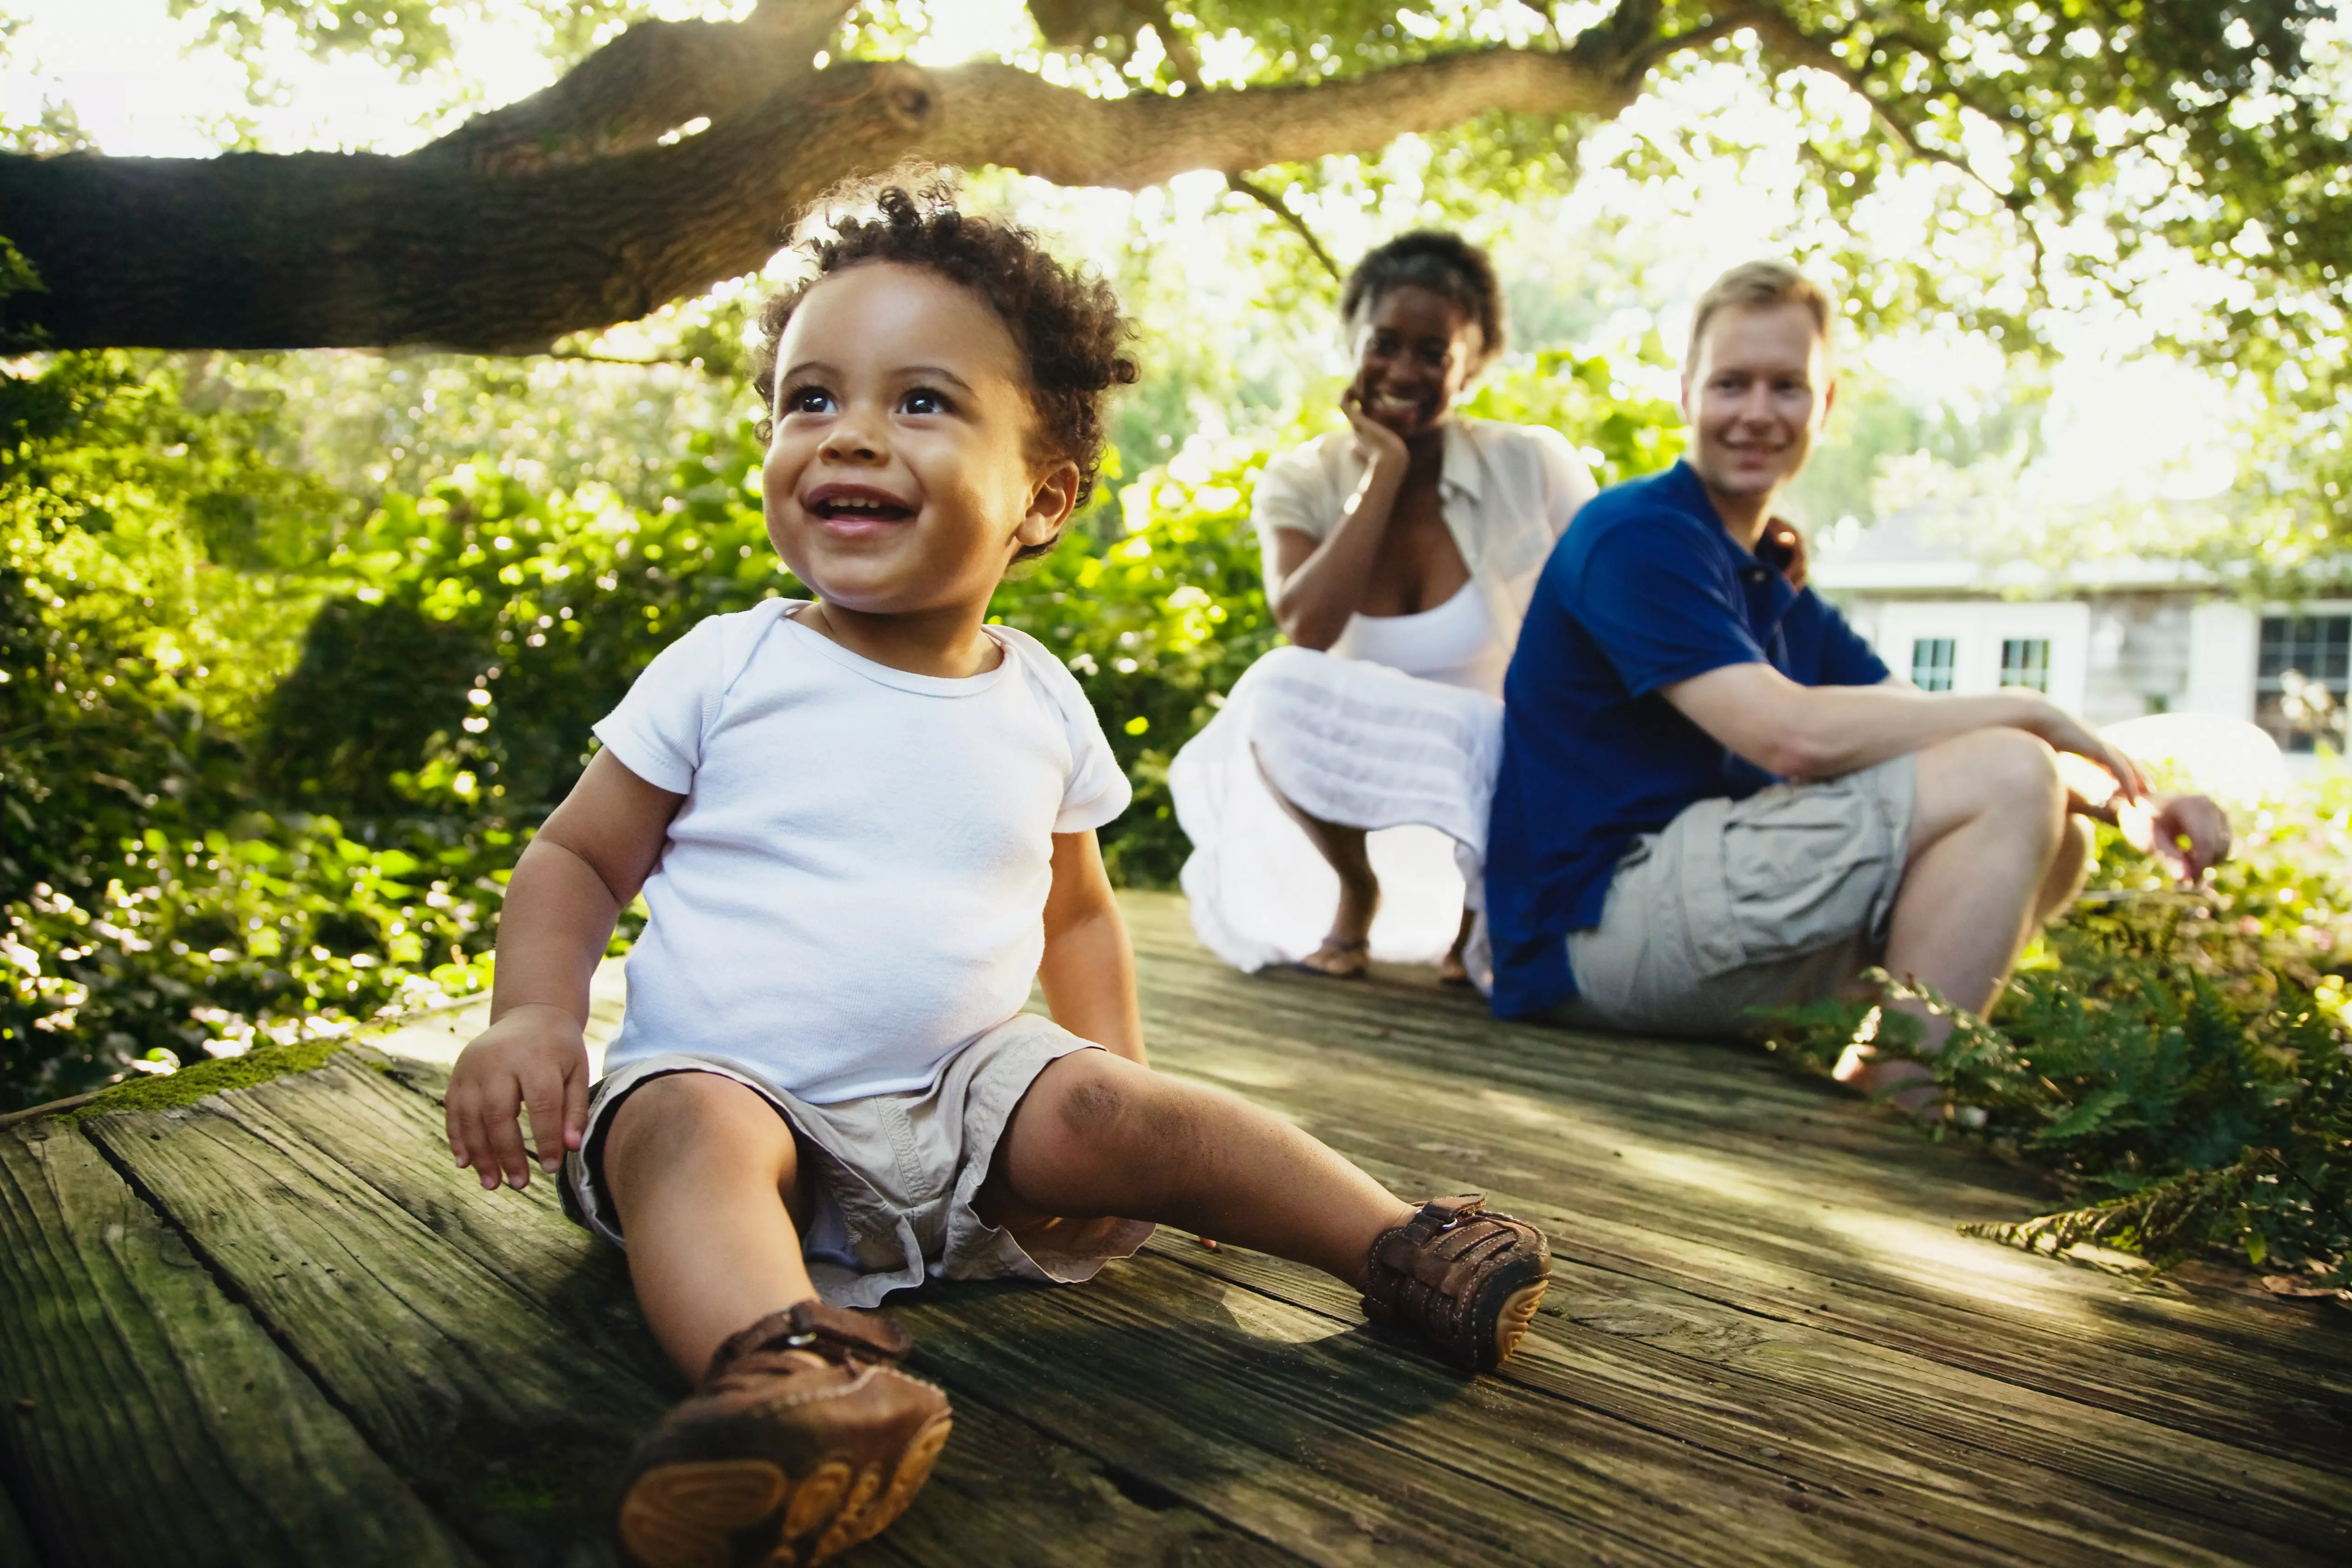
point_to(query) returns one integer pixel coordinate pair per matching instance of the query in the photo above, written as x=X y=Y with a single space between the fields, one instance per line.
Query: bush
x=2178 y=1060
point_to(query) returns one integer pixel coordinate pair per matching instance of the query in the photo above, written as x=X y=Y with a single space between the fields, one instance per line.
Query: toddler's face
x=899 y=479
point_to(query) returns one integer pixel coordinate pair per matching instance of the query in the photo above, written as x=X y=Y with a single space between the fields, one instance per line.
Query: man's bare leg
x=699 y=1168
x=1098 y=1135
x=1343 y=952
x=1990 y=857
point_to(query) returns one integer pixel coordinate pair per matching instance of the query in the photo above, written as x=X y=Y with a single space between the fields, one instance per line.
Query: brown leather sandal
x=1466 y=1280
x=804 y=1439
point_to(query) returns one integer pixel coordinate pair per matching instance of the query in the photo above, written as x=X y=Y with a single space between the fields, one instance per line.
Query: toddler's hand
x=533 y=1055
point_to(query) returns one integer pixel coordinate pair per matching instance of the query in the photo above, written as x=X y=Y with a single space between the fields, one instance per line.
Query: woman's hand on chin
x=1378 y=445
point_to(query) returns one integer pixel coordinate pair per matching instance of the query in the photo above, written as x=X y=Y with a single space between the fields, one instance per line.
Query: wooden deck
x=278 y=1327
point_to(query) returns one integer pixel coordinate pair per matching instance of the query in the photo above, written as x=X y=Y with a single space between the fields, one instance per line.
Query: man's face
x=899 y=477
x=1756 y=394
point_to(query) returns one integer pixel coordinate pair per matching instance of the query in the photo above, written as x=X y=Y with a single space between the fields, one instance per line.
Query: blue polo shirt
x=1645 y=589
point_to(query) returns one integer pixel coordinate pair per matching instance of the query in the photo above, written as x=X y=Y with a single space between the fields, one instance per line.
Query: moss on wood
x=194 y=1082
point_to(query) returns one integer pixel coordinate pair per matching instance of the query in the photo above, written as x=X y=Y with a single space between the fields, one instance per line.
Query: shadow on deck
x=277 y=1327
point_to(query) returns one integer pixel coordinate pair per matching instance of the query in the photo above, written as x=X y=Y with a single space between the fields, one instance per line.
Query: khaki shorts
x=1770 y=902
x=891 y=1177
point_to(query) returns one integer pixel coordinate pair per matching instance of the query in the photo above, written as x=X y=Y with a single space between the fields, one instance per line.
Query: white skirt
x=1349 y=741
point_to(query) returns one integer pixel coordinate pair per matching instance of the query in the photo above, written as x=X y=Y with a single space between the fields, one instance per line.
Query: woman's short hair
x=1760 y=286
x=1442 y=262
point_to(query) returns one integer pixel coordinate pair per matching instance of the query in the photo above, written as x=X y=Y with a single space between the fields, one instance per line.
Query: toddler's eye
x=924 y=400
x=807 y=400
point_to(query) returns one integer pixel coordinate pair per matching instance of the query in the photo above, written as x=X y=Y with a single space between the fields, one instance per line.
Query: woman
x=1343 y=788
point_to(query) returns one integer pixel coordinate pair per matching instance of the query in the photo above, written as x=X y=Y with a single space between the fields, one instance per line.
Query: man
x=1713 y=795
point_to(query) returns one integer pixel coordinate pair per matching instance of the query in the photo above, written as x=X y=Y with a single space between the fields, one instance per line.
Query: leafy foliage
x=269 y=751
x=2182 y=1060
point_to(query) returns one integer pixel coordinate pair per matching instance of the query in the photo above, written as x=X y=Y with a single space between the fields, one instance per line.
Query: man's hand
x=1793 y=544
x=2189 y=833
x=2064 y=733
x=535 y=1056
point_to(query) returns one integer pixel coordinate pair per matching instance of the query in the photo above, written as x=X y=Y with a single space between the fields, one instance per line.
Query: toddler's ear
x=1050 y=505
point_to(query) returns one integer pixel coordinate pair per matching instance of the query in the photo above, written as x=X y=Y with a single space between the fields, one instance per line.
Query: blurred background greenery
x=297 y=648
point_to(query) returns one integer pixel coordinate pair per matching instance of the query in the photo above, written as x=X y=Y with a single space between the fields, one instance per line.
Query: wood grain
x=147 y=1417
x=510 y=1426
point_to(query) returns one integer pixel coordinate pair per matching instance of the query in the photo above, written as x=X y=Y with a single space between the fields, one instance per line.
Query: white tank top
x=1454 y=644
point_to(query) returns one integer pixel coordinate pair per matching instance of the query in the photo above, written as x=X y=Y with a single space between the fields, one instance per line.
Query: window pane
x=1932 y=662
x=2025 y=661
x=2301 y=679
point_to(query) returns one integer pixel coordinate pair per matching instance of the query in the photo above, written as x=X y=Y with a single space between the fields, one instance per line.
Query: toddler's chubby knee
x=1098 y=1100
x=684 y=1112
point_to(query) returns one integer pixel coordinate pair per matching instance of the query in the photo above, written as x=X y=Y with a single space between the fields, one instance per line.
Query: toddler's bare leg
x=1096 y=1135
x=706 y=1178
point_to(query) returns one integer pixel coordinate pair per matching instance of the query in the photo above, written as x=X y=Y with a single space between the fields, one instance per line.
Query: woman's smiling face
x=1416 y=350
x=900 y=478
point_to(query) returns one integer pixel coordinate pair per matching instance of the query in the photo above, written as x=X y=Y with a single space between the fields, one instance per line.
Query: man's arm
x=1818 y=731
x=1088 y=970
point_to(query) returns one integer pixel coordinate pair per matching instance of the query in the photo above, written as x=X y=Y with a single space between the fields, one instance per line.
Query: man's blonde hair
x=1760 y=286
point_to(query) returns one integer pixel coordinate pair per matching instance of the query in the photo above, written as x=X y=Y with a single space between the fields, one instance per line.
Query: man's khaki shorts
x=1770 y=902
x=891 y=1177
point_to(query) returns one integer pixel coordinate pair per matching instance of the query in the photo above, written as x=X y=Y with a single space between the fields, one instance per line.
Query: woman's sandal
x=1465 y=1280
x=804 y=1439
x=1355 y=956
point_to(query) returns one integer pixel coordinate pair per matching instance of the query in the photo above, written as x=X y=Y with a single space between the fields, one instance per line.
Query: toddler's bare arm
x=578 y=873
x=1088 y=971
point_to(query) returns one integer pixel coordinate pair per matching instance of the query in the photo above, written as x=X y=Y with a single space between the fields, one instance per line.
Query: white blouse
x=1508 y=492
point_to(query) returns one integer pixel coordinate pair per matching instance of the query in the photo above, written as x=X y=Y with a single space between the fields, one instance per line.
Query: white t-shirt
x=855 y=884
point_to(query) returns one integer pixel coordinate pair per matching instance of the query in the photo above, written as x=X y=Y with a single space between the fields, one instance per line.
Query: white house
x=2110 y=641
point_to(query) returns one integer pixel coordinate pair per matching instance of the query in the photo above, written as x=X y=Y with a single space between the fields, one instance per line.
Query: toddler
x=863 y=823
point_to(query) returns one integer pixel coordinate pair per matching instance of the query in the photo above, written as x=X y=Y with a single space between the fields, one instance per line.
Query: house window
x=2299 y=684
x=2025 y=661
x=1932 y=662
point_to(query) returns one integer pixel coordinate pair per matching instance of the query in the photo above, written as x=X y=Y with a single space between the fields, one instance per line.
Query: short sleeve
x=1566 y=480
x=1097 y=790
x=657 y=731
x=1647 y=596
x=1285 y=495
x=1845 y=658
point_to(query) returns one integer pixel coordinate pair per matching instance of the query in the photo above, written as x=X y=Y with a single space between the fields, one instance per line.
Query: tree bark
x=560 y=213
x=355 y=250
x=651 y=79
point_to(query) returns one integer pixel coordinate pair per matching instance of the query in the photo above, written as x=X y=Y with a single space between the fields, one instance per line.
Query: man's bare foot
x=1909 y=1086
x=1339 y=960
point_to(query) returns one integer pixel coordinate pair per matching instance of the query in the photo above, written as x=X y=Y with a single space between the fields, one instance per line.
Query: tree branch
x=326 y=250
x=653 y=79
x=1292 y=220
x=1000 y=114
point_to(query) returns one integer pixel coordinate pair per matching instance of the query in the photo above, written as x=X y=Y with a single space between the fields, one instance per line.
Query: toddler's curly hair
x=1065 y=321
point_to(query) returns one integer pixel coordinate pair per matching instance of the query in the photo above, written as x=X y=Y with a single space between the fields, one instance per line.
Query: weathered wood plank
x=386 y=1128
x=1986 y=1318
x=2112 y=1490
x=1328 y=1435
x=1004 y=1492
x=15 y=1541
x=148 y=1417
x=1880 y=1266
x=508 y=1425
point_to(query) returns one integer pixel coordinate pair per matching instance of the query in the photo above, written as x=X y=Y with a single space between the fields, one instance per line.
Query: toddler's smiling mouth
x=856 y=506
